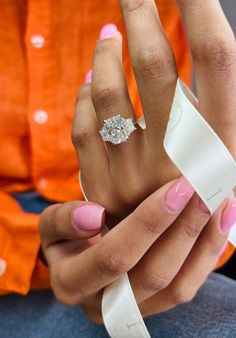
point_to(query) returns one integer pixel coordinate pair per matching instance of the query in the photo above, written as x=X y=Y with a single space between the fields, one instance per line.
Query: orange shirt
x=46 y=49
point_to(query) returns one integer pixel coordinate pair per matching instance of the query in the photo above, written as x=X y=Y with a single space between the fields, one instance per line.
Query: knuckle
x=83 y=93
x=151 y=63
x=60 y=288
x=133 y=5
x=56 y=223
x=95 y=318
x=49 y=220
x=92 y=311
x=186 y=2
x=182 y=295
x=137 y=190
x=219 y=53
x=65 y=298
x=81 y=136
x=106 y=46
x=193 y=227
x=214 y=245
x=106 y=96
x=154 y=282
x=149 y=219
x=112 y=264
x=214 y=250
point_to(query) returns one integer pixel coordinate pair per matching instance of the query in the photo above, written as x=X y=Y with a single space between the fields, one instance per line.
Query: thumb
x=72 y=220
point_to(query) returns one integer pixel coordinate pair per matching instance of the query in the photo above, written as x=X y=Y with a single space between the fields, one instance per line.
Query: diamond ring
x=117 y=129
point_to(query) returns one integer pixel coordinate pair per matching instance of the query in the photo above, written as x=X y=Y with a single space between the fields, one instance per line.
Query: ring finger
x=109 y=90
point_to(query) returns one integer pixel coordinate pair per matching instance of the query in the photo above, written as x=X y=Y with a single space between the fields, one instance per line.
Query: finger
x=153 y=63
x=109 y=89
x=213 y=49
x=72 y=220
x=90 y=148
x=199 y=263
x=164 y=259
x=125 y=244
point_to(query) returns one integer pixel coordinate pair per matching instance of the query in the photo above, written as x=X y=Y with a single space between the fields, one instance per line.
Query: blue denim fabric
x=211 y=314
x=31 y=201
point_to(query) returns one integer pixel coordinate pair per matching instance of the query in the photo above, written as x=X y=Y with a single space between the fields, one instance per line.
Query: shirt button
x=37 y=41
x=43 y=183
x=40 y=116
x=3 y=266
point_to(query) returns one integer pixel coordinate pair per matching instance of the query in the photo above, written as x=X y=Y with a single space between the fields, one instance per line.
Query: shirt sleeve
x=19 y=247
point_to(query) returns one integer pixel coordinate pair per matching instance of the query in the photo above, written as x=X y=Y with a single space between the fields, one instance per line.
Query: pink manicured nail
x=88 y=77
x=179 y=195
x=88 y=217
x=108 y=31
x=203 y=207
x=228 y=217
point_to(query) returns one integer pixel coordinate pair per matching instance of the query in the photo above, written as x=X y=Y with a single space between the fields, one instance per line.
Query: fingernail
x=108 y=31
x=88 y=77
x=179 y=195
x=228 y=217
x=88 y=217
x=203 y=206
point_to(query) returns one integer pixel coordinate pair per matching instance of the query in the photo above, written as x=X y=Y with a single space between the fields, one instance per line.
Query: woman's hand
x=119 y=177
x=168 y=244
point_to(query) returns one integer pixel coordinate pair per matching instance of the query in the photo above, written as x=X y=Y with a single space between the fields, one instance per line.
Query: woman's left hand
x=168 y=245
x=120 y=176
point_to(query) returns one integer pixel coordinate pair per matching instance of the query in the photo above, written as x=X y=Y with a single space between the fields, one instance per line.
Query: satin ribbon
x=201 y=157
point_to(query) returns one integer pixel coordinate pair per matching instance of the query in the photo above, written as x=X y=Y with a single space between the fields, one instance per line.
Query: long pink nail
x=88 y=77
x=108 y=31
x=88 y=217
x=228 y=217
x=179 y=195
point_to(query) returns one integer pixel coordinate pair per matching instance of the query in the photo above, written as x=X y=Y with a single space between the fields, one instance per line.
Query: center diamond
x=117 y=129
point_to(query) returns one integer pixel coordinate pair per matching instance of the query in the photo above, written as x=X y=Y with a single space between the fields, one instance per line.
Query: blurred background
x=229 y=7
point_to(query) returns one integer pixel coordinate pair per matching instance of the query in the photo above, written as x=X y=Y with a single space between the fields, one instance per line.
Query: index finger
x=213 y=48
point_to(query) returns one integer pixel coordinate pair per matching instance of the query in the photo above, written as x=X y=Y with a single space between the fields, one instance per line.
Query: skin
x=160 y=280
x=142 y=244
x=119 y=177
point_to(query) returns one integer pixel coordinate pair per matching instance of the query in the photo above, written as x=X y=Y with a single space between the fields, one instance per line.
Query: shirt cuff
x=19 y=246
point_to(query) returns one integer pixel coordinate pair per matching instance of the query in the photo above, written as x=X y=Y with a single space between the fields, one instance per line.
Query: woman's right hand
x=169 y=245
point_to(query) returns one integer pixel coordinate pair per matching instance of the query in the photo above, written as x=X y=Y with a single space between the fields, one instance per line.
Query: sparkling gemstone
x=117 y=129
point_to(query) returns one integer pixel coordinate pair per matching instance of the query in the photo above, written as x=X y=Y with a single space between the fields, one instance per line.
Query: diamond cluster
x=117 y=129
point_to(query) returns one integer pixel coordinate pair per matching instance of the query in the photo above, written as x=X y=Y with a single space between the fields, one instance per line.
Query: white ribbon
x=203 y=159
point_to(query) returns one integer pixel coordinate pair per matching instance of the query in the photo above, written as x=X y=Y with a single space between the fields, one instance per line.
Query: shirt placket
x=41 y=89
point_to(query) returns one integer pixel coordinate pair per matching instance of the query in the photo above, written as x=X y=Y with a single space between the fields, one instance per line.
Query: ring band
x=117 y=129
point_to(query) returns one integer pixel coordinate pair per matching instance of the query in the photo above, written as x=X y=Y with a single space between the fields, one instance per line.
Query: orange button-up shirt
x=46 y=48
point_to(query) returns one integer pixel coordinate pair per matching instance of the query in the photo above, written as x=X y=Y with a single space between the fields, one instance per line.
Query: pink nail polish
x=88 y=217
x=203 y=207
x=108 y=31
x=179 y=195
x=228 y=217
x=88 y=77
